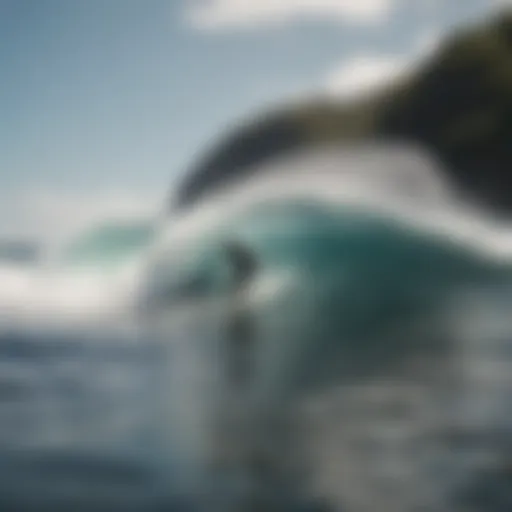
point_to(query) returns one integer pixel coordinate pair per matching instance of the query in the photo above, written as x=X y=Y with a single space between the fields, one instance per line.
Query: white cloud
x=363 y=74
x=225 y=14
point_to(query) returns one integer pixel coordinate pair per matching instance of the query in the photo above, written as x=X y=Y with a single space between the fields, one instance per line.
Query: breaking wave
x=347 y=239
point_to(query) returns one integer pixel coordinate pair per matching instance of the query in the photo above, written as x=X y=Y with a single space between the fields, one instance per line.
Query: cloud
x=229 y=14
x=365 y=73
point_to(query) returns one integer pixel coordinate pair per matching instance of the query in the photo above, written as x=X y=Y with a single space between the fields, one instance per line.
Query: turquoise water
x=357 y=300
x=108 y=246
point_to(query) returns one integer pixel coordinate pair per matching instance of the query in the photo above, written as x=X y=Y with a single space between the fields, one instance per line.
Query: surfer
x=233 y=444
x=239 y=326
x=238 y=353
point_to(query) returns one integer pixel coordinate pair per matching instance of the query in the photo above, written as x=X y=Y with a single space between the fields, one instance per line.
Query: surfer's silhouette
x=240 y=327
x=233 y=444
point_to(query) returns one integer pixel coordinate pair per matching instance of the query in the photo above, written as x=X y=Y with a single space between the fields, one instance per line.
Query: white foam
x=33 y=298
x=390 y=179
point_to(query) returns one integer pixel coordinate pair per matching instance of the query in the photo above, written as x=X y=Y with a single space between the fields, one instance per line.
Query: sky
x=105 y=104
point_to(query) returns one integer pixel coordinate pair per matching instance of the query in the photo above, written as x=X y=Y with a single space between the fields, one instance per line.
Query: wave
x=83 y=282
x=392 y=180
x=382 y=311
x=379 y=286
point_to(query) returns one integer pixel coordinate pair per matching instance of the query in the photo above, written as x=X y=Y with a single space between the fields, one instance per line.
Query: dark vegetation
x=458 y=105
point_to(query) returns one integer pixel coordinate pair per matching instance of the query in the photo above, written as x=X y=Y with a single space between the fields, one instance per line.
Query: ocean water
x=79 y=390
x=74 y=424
x=379 y=366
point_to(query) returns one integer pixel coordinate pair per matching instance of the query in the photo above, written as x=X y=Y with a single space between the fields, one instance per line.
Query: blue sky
x=104 y=97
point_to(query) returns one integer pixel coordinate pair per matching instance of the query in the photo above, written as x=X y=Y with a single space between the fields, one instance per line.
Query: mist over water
x=364 y=247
